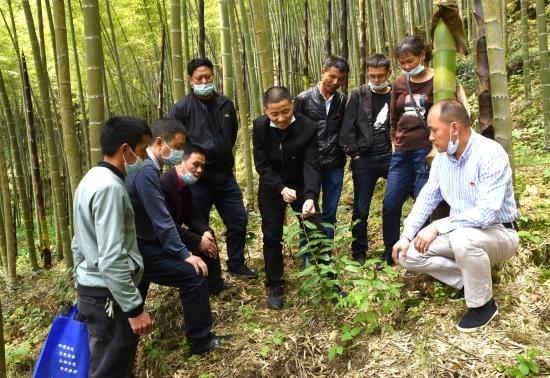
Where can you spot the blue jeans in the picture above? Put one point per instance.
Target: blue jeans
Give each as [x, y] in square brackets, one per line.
[407, 175]
[331, 185]
[366, 170]
[228, 199]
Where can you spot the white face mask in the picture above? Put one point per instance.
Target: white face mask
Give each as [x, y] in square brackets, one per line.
[378, 87]
[415, 71]
[188, 178]
[136, 166]
[452, 146]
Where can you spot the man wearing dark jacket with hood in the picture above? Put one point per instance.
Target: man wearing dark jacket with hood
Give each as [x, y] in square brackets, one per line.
[324, 105]
[285, 156]
[365, 138]
[211, 122]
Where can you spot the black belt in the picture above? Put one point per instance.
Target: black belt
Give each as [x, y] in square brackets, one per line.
[511, 225]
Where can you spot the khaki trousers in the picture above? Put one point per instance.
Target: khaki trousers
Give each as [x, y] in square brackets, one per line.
[463, 258]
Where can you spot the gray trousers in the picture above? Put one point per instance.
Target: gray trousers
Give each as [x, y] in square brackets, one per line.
[463, 258]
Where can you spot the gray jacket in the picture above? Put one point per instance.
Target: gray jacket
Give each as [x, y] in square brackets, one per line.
[104, 244]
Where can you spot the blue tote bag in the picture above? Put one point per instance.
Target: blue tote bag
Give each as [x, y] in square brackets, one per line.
[66, 353]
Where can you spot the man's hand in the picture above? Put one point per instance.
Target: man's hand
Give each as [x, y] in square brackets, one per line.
[289, 195]
[308, 208]
[141, 324]
[198, 264]
[400, 247]
[425, 237]
[208, 245]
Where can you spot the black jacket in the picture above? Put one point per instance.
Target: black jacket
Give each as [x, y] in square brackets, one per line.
[287, 158]
[356, 134]
[311, 103]
[179, 203]
[215, 133]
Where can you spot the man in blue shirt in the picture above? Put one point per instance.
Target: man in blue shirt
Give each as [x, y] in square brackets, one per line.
[473, 175]
[167, 260]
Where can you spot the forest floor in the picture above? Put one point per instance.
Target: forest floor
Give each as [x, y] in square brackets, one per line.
[416, 340]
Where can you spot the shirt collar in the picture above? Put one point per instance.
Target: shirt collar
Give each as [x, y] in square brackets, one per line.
[153, 158]
[112, 168]
[467, 151]
[275, 126]
[326, 100]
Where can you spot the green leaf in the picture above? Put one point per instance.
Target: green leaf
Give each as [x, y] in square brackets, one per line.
[354, 268]
[523, 369]
[335, 350]
[309, 225]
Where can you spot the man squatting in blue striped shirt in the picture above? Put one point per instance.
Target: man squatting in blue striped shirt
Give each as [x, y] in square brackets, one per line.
[473, 175]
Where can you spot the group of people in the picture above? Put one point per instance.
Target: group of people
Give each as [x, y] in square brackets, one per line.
[135, 223]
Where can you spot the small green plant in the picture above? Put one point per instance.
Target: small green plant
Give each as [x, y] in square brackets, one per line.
[276, 339]
[526, 365]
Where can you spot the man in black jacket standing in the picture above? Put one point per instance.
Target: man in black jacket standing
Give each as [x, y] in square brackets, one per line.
[285, 156]
[365, 137]
[211, 122]
[324, 105]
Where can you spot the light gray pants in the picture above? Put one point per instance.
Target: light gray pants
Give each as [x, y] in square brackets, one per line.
[463, 258]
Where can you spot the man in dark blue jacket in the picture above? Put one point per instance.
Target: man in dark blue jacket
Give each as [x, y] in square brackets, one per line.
[211, 122]
[324, 105]
[285, 156]
[167, 260]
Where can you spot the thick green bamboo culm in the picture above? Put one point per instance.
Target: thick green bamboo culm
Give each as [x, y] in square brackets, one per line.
[70, 142]
[94, 64]
[19, 181]
[544, 68]
[10, 264]
[178, 82]
[444, 63]
[225, 34]
[51, 141]
[502, 121]
[263, 45]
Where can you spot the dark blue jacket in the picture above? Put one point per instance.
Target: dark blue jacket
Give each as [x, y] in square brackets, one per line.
[154, 224]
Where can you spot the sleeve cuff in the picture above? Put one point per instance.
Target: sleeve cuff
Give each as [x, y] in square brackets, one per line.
[280, 186]
[134, 312]
[408, 234]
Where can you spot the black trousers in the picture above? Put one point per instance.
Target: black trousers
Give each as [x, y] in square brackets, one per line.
[214, 278]
[112, 342]
[273, 209]
[167, 270]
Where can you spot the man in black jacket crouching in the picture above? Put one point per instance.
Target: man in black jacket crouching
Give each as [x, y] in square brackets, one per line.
[286, 158]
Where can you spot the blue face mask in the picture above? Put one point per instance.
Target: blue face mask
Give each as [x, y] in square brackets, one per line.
[136, 166]
[415, 71]
[378, 87]
[175, 157]
[189, 178]
[204, 89]
[452, 146]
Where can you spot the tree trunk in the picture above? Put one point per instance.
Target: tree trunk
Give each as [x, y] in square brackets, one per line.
[502, 120]
[65, 96]
[53, 156]
[263, 45]
[328, 29]
[94, 62]
[202, 33]
[482, 68]
[544, 68]
[243, 108]
[525, 45]
[305, 71]
[362, 43]
[160, 106]
[225, 37]
[9, 225]
[344, 48]
[45, 244]
[178, 83]
[185, 45]
[19, 181]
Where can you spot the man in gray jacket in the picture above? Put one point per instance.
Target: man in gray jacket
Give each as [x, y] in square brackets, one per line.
[108, 265]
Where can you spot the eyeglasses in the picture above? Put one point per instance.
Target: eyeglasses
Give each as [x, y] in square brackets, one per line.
[377, 77]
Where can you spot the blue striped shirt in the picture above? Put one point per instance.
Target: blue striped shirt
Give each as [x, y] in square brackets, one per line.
[477, 186]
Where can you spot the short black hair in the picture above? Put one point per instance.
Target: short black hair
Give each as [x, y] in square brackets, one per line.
[276, 94]
[378, 60]
[336, 61]
[167, 128]
[452, 110]
[190, 149]
[198, 62]
[122, 129]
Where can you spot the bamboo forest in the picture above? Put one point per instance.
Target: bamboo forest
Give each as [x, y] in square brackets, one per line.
[70, 69]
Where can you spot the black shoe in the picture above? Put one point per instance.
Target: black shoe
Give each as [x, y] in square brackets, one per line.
[242, 271]
[215, 343]
[275, 298]
[478, 317]
[359, 258]
[225, 286]
[459, 295]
